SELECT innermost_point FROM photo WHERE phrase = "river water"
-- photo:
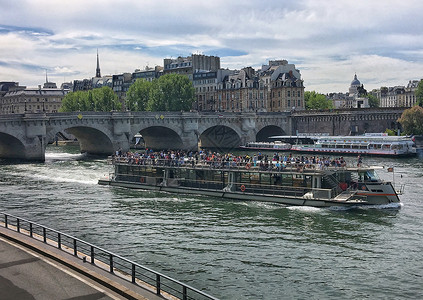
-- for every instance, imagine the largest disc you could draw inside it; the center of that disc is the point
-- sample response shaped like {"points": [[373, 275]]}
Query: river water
{"points": [[230, 249]]}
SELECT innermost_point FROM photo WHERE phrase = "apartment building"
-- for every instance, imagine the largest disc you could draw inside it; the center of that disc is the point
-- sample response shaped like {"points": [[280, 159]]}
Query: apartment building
{"points": [[32, 100]]}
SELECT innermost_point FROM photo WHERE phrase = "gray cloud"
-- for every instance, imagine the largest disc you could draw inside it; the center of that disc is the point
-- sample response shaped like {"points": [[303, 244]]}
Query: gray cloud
{"points": [[328, 41]]}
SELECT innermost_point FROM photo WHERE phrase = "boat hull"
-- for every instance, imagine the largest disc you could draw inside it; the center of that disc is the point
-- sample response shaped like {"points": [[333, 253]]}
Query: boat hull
{"points": [[244, 196], [352, 152]]}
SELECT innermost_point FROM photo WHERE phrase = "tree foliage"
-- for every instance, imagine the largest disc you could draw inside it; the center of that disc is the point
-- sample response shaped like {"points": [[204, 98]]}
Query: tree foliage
{"points": [[315, 100], [412, 120], [102, 99], [373, 100], [171, 92], [138, 95], [419, 93]]}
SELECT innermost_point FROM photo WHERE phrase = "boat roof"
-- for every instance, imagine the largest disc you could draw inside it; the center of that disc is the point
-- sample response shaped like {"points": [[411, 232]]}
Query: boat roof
{"points": [[344, 137]]}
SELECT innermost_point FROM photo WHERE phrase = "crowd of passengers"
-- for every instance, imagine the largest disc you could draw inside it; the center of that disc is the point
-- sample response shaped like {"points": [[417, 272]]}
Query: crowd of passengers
{"points": [[228, 160]]}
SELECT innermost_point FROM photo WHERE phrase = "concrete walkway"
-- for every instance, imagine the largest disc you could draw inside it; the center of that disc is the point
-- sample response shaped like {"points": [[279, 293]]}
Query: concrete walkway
{"points": [[30, 269]]}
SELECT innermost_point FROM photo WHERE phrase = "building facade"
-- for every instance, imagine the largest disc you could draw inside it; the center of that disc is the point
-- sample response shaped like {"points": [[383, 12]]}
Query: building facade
{"points": [[275, 87], [352, 98], [148, 74], [191, 64], [121, 84], [408, 97], [32, 100]]}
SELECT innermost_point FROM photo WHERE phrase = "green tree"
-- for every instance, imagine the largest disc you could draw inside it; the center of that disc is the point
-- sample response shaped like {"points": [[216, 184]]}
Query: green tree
{"points": [[105, 99], [412, 120], [419, 93], [138, 95], [72, 101], [390, 132], [171, 92], [373, 100], [315, 100], [102, 99]]}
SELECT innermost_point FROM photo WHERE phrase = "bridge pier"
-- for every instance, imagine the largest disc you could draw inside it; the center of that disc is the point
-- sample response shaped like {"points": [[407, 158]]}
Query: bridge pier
{"points": [[190, 141], [35, 149], [121, 142]]}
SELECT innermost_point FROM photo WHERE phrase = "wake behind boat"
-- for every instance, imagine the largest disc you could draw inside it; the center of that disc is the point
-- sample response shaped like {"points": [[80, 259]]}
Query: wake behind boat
{"points": [[314, 182]]}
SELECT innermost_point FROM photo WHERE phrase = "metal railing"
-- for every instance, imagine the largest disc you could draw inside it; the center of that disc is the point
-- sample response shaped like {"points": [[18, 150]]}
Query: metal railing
{"points": [[269, 166], [125, 269]]}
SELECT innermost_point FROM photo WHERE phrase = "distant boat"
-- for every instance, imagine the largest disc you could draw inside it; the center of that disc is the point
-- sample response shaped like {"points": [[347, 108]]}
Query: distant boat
{"points": [[379, 144], [277, 145]]}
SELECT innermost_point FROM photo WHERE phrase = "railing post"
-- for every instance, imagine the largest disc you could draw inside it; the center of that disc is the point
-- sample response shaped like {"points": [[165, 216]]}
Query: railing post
{"points": [[111, 263], [5, 221], [92, 254], [59, 240], [133, 273], [18, 225], [157, 284], [44, 235], [30, 230], [75, 251], [184, 293]]}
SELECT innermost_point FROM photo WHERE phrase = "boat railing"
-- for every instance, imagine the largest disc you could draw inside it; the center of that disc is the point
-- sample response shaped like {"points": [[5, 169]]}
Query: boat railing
{"points": [[270, 165], [134, 273]]}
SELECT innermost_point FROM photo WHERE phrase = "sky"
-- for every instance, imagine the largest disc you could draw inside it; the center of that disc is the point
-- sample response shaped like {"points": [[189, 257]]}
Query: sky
{"points": [[328, 41]]}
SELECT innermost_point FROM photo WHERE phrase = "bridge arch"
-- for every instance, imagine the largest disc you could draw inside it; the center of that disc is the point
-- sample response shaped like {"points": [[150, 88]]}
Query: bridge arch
{"points": [[91, 140], [161, 137], [11, 147], [220, 137], [267, 131]]}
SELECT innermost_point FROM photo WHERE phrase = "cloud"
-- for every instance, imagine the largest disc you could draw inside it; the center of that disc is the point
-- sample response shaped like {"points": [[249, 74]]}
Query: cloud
{"points": [[328, 41]]}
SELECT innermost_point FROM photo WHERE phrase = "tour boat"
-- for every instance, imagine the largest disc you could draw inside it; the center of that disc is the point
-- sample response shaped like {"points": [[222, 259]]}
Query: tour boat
{"points": [[368, 144], [277, 146], [301, 184]]}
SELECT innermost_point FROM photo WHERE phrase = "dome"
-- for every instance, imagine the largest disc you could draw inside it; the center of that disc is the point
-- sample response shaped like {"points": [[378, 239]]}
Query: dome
{"points": [[355, 82]]}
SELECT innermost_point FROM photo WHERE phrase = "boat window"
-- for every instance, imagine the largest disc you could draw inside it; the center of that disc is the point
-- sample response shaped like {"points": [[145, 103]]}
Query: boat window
{"points": [[287, 179], [265, 179], [369, 175]]}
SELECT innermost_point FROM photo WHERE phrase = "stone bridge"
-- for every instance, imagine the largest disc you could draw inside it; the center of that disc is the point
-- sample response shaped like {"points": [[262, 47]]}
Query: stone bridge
{"points": [[25, 136], [346, 121]]}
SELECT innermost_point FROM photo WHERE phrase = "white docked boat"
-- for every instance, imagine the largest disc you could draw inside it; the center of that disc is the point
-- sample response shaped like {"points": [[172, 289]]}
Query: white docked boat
{"points": [[277, 145], [281, 182], [368, 144]]}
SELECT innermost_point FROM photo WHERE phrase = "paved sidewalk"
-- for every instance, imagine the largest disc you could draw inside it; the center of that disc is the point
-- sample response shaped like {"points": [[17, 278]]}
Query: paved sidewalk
{"points": [[29, 269]]}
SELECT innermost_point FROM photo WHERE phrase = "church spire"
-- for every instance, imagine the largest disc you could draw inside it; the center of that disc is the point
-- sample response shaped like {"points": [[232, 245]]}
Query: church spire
{"points": [[97, 71]]}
